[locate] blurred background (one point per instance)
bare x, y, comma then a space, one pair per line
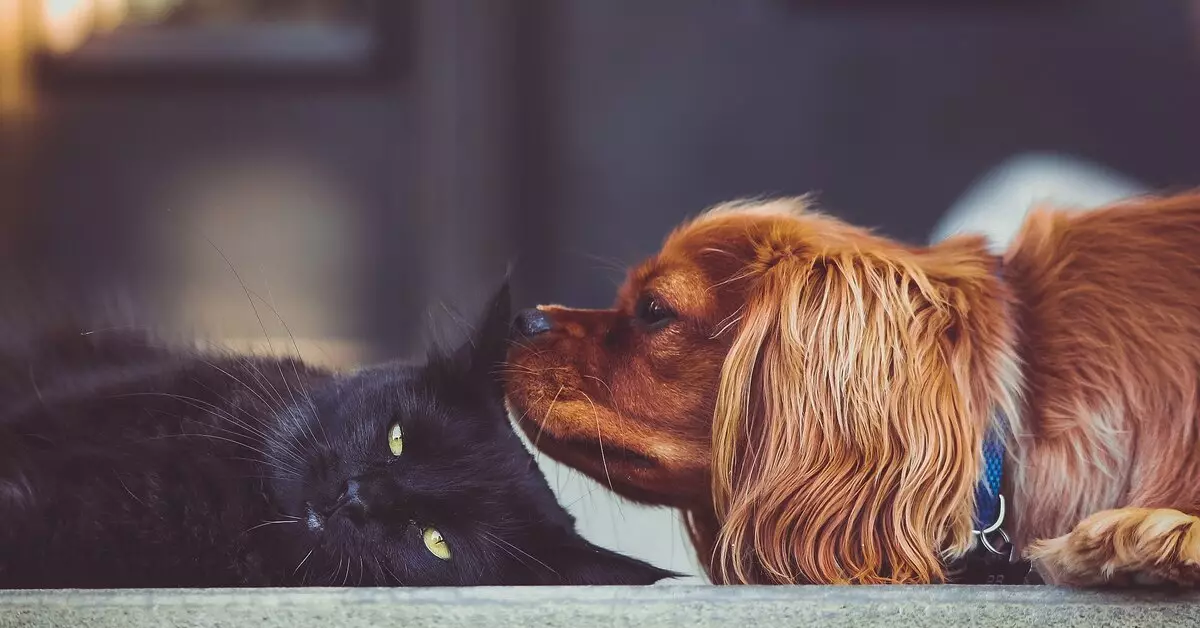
370, 167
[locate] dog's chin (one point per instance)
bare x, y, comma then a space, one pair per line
632, 474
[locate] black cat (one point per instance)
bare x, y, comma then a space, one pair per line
126, 463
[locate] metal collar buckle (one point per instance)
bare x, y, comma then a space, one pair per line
1006, 547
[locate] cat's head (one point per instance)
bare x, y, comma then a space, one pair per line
414, 476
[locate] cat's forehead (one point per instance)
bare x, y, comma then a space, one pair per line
417, 396
389, 384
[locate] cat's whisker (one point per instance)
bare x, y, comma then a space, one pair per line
287, 448
313, 417
126, 487
290, 475
303, 560
457, 319
586, 495
265, 385
379, 568
305, 393
278, 317
316, 416
252, 432
304, 427
293, 414
102, 330
281, 443
214, 437
269, 523
199, 404
521, 551
293, 451
268, 457
293, 457
243, 384
204, 425
303, 422
253, 308
336, 570
265, 425
275, 478
222, 411
505, 550
389, 572
288, 437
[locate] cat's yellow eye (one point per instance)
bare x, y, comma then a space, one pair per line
396, 440
435, 543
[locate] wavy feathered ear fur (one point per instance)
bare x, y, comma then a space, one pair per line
852, 405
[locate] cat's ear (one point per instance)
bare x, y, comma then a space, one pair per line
487, 346
578, 562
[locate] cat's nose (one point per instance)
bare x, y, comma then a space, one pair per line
532, 323
350, 501
350, 491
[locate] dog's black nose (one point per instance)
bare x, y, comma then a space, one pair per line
532, 322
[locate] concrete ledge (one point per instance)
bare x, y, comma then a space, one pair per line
585, 607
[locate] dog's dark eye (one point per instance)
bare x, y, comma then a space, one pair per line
652, 313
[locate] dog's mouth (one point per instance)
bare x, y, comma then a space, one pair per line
635, 475
586, 448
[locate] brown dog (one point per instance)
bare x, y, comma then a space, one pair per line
816, 396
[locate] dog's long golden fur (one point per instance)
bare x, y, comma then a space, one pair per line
847, 382
846, 409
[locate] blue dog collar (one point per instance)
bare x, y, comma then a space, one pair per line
989, 496
989, 501
990, 507
994, 558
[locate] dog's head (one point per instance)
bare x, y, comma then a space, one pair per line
815, 386
627, 394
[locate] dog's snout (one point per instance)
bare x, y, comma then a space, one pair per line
532, 322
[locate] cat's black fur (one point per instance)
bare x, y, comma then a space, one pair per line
128, 463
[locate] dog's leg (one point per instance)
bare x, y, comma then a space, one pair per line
1125, 546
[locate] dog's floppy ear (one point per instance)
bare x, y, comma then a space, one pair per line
845, 437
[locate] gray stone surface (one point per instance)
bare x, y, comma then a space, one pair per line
584, 607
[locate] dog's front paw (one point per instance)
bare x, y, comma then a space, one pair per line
1123, 547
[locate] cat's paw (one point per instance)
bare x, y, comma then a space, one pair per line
1123, 547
